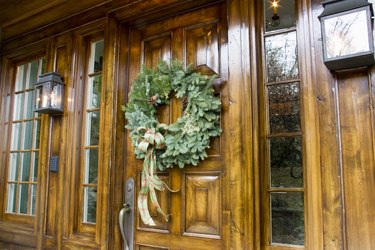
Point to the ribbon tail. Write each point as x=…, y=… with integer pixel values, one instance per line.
x=142, y=200
x=155, y=202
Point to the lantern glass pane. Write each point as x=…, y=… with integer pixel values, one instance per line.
x=42, y=96
x=346, y=34
x=56, y=96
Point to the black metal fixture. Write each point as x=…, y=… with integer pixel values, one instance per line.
x=275, y=19
x=347, y=34
x=49, y=94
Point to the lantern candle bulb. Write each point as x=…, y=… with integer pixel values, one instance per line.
x=275, y=5
x=45, y=100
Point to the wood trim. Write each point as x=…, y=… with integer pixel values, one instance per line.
x=33, y=12
x=239, y=157
x=115, y=60
x=310, y=127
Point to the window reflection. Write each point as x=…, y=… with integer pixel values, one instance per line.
x=284, y=111
x=286, y=162
x=287, y=218
x=281, y=57
x=346, y=34
x=285, y=10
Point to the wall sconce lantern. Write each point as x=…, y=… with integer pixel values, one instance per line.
x=347, y=34
x=49, y=94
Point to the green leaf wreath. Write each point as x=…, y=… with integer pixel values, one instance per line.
x=182, y=143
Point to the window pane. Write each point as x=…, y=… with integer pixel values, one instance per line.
x=96, y=60
x=94, y=90
x=13, y=167
x=29, y=109
x=35, y=166
x=27, y=134
x=287, y=218
x=33, y=199
x=23, y=198
x=25, y=166
x=18, y=106
x=89, y=207
x=33, y=74
x=286, y=162
x=92, y=128
x=21, y=78
x=36, y=138
x=11, y=204
x=284, y=111
x=16, y=136
x=281, y=57
x=285, y=10
x=91, y=163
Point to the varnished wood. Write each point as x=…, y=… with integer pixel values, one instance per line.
x=337, y=120
x=149, y=44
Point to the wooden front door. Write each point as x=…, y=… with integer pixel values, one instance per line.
x=197, y=211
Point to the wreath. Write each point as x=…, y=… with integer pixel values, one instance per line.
x=164, y=146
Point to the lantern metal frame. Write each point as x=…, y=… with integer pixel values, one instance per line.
x=47, y=83
x=336, y=8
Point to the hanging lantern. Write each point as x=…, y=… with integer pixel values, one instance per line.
x=347, y=34
x=49, y=94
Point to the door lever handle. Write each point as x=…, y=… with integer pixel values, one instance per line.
x=126, y=216
x=121, y=217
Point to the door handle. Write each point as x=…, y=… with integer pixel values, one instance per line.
x=124, y=209
x=126, y=215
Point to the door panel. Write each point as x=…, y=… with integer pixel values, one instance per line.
x=196, y=211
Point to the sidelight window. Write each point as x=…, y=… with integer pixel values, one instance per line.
x=23, y=156
x=90, y=134
x=283, y=171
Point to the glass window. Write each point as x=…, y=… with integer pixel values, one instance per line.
x=24, y=142
x=281, y=57
x=283, y=189
x=90, y=147
x=279, y=14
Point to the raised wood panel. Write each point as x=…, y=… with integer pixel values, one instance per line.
x=202, y=204
x=201, y=49
x=202, y=46
x=164, y=202
x=154, y=50
x=357, y=159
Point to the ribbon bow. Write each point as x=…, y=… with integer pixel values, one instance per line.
x=149, y=142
